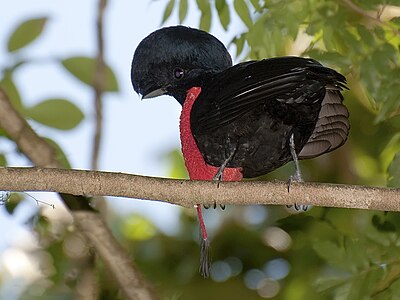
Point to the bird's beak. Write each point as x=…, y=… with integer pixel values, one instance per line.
x=155, y=93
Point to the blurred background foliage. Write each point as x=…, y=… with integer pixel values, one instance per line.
x=258, y=252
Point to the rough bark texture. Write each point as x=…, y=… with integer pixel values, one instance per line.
x=188, y=193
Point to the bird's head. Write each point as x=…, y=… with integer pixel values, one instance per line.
x=173, y=59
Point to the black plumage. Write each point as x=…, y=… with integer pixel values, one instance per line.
x=254, y=107
x=249, y=111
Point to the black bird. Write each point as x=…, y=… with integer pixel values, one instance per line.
x=245, y=120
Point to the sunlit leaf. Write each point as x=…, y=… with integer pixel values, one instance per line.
x=177, y=164
x=26, y=33
x=256, y=4
x=325, y=283
x=137, y=227
x=205, y=18
x=57, y=113
x=84, y=69
x=9, y=87
x=394, y=172
x=60, y=155
x=332, y=254
x=14, y=200
x=168, y=11
x=183, y=9
x=3, y=160
x=243, y=12
x=223, y=13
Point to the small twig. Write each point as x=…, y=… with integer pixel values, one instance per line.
x=360, y=11
x=38, y=202
x=99, y=84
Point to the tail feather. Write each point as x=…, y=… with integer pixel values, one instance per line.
x=332, y=127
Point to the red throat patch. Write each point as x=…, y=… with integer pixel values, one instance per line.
x=197, y=167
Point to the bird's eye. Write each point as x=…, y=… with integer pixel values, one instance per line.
x=178, y=73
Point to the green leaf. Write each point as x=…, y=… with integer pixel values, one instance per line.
x=26, y=33
x=84, y=69
x=8, y=85
x=177, y=164
x=60, y=155
x=332, y=254
x=183, y=9
x=323, y=284
x=137, y=227
x=394, y=172
x=239, y=42
x=256, y=4
x=57, y=113
x=168, y=11
x=205, y=19
x=243, y=12
x=383, y=225
x=223, y=13
x=3, y=160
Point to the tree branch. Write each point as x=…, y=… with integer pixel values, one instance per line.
x=188, y=193
x=98, y=84
x=372, y=16
x=89, y=222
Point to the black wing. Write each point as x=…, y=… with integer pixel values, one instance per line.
x=243, y=87
x=252, y=109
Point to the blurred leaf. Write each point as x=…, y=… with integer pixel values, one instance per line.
x=243, y=12
x=60, y=155
x=3, y=160
x=168, y=11
x=223, y=13
x=183, y=9
x=256, y=4
x=239, y=42
x=8, y=85
x=137, y=227
x=394, y=172
x=84, y=68
x=14, y=200
x=206, y=14
x=384, y=225
x=325, y=283
x=57, y=113
x=177, y=169
x=332, y=254
x=26, y=33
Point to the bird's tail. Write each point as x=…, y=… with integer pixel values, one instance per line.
x=204, y=246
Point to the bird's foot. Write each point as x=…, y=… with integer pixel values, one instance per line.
x=218, y=177
x=207, y=206
x=296, y=207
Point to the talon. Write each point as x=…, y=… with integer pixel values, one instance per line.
x=299, y=207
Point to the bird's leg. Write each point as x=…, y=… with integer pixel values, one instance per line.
x=219, y=176
x=297, y=175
